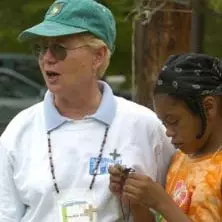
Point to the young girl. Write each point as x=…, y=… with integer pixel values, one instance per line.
x=188, y=100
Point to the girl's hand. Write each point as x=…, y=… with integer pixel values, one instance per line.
x=141, y=189
x=117, y=180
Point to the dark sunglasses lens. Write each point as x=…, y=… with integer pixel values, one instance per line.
x=58, y=51
x=36, y=50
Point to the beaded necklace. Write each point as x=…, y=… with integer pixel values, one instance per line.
x=52, y=166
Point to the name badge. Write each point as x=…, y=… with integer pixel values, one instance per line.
x=77, y=206
x=104, y=165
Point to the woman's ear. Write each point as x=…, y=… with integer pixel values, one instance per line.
x=211, y=106
x=99, y=57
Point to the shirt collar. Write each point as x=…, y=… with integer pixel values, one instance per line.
x=105, y=112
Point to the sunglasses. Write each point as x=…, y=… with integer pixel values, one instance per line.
x=57, y=51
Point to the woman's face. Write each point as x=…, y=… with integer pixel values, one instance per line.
x=75, y=71
x=182, y=125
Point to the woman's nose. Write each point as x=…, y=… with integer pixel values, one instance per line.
x=48, y=56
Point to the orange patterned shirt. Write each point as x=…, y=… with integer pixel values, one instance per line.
x=196, y=186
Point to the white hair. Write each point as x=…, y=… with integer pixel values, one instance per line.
x=96, y=43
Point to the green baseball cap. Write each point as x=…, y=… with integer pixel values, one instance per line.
x=66, y=17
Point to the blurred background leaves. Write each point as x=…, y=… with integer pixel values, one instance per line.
x=18, y=15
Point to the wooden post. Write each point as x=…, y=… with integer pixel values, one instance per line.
x=197, y=28
x=167, y=33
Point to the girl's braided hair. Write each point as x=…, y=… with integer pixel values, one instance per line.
x=190, y=77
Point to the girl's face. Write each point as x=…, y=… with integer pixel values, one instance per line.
x=181, y=124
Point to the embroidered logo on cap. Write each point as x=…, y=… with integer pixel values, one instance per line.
x=56, y=9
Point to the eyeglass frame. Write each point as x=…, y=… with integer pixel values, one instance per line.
x=44, y=47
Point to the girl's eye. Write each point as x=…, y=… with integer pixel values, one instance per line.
x=170, y=122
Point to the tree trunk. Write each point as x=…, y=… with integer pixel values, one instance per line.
x=197, y=27
x=167, y=33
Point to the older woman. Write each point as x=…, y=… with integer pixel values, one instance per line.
x=55, y=155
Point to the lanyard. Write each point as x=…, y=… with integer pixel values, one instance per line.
x=52, y=166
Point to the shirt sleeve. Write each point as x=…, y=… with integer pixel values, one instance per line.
x=11, y=207
x=150, y=150
x=164, y=151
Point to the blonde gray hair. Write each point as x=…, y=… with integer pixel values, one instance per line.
x=96, y=43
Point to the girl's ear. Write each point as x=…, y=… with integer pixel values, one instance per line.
x=211, y=107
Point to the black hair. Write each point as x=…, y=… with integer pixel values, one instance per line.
x=190, y=77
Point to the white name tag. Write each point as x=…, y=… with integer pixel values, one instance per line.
x=77, y=207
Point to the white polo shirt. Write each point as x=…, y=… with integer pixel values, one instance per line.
x=27, y=192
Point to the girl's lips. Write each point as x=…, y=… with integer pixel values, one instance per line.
x=178, y=145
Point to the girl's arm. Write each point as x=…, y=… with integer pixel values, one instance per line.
x=170, y=211
x=141, y=213
x=142, y=190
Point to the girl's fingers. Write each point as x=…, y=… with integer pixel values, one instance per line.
x=114, y=170
x=115, y=179
x=131, y=197
x=139, y=177
x=129, y=189
x=139, y=181
x=114, y=187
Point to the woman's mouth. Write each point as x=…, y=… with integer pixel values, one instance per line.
x=52, y=76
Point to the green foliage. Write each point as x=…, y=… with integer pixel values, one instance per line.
x=22, y=14
x=18, y=15
x=216, y=5
x=121, y=60
x=212, y=34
